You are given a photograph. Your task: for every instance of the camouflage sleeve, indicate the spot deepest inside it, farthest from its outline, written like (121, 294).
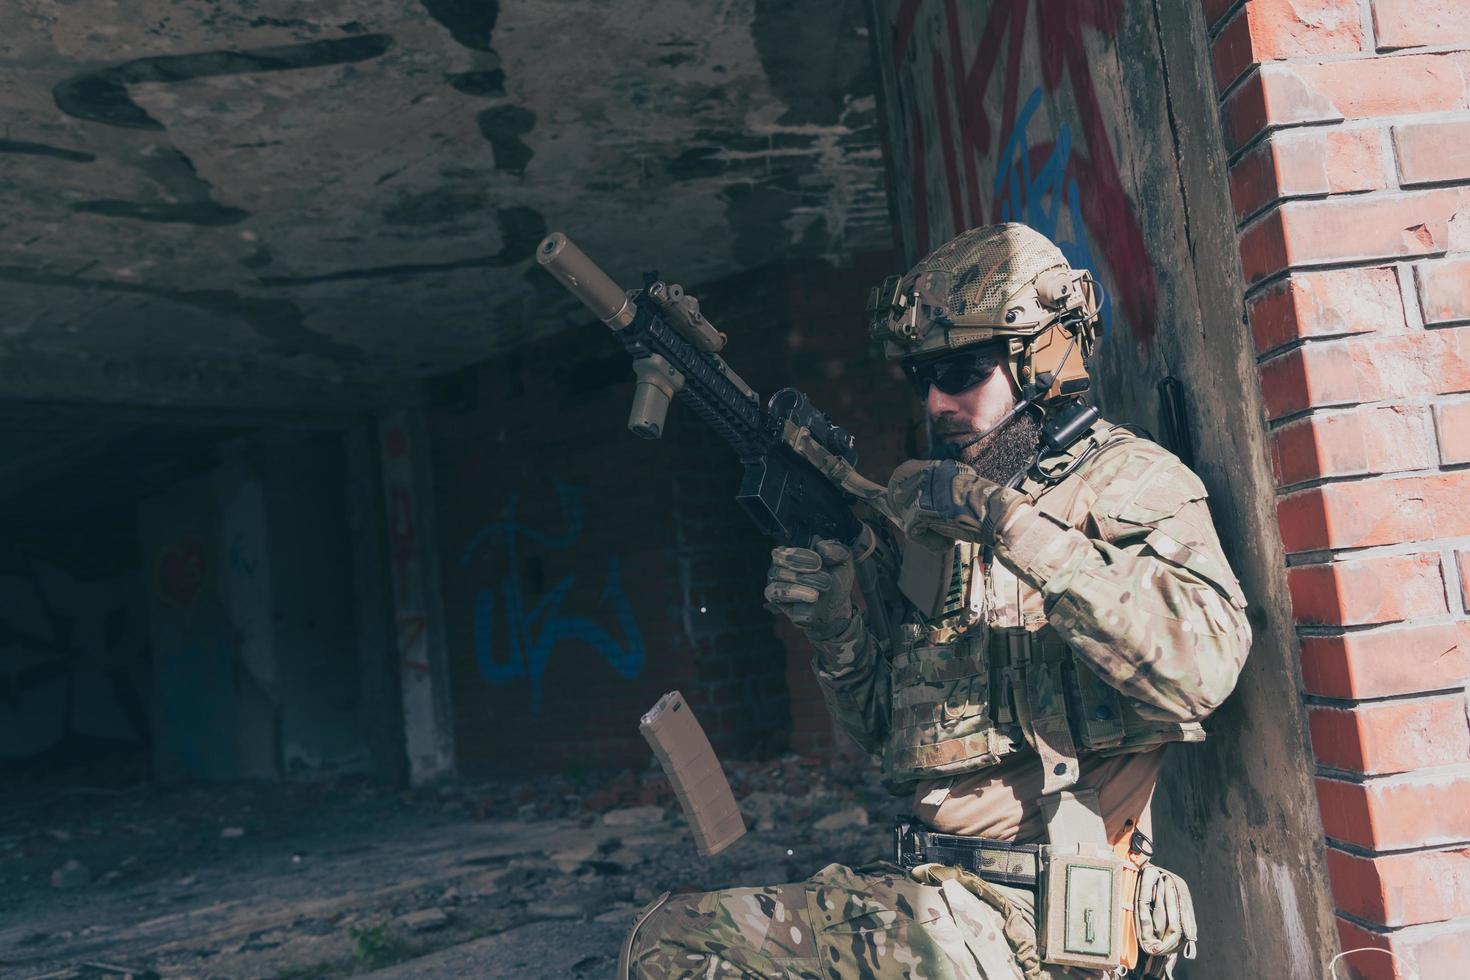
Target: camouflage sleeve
(1151, 603)
(853, 674)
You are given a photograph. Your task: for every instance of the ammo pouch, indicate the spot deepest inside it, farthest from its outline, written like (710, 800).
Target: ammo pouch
(1166, 924)
(1090, 906)
(1082, 901)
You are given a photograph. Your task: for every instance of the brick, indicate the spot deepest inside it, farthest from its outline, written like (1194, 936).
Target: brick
(1280, 94)
(1384, 663)
(1402, 889)
(1452, 432)
(1305, 164)
(1372, 440)
(1418, 23)
(1263, 247)
(1385, 737)
(1215, 10)
(1367, 590)
(1462, 568)
(1328, 303)
(1437, 949)
(1246, 112)
(1444, 290)
(1433, 152)
(1232, 52)
(1420, 809)
(1375, 512)
(1304, 233)
(1366, 369)
(1265, 30)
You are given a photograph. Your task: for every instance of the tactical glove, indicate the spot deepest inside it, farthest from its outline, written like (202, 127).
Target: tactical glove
(942, 498)
(813, 589)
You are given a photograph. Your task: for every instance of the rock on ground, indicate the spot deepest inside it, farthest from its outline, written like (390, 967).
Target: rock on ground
(537, 951)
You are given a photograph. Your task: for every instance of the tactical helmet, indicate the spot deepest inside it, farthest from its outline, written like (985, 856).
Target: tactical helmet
(1003, 282)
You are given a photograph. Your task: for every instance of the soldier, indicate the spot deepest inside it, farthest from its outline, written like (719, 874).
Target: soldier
(1061, 612)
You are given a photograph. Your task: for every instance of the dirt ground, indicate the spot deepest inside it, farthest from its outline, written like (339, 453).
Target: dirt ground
(532, 880)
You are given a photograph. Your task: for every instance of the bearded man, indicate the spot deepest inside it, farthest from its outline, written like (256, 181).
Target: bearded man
(1049, 609)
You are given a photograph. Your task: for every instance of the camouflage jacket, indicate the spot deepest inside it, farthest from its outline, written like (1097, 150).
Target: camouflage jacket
(1117, 566)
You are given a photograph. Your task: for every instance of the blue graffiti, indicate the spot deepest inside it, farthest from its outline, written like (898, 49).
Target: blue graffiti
(1038, 199)
(531, 634)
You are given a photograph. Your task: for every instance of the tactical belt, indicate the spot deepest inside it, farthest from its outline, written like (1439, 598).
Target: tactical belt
(992, 860)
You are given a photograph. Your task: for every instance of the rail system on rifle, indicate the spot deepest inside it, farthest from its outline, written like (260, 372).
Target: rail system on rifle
(792, 453)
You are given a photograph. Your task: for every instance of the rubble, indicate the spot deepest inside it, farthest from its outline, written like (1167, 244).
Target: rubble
(335, 879)
(424, 920)
(72, 874)
(636, 816)
(852, 816)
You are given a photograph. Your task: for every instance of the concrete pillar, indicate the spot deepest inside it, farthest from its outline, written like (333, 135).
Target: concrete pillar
(413, 557)
(211, 611)
(377, 647)
(252, 615)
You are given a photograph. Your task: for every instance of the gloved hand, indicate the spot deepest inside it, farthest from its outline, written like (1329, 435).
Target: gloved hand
(813, 589)
(942, 498)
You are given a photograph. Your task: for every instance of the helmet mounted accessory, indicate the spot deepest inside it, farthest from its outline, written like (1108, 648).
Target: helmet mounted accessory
(1004, 282)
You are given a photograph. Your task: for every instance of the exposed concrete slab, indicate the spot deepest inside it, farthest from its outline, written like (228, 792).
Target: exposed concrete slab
(350, 190)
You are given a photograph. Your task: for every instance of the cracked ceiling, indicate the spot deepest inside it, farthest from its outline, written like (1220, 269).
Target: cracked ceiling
(277, 202)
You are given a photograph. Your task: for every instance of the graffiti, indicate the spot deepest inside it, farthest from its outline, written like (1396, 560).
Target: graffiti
(241, 564)
(531, 634)
(1043, 197)
(403, 537)
(409, 526)
(403, 552)
(1069, 185)
(181, 571)
(73, 659)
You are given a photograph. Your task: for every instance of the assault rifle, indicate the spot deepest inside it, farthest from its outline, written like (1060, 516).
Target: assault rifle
(798, 483)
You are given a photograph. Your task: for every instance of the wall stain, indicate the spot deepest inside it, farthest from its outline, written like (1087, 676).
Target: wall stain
(102, 96)
(443, 204)
(206, 213)
(521, 230)
(813, 80)
(280, 323)
(481, 84)
(188, 197)
(258, 259)
(503, 127)
(25, 148)
(470, 22)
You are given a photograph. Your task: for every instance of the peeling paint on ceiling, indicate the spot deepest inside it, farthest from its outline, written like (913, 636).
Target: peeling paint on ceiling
(350, 190)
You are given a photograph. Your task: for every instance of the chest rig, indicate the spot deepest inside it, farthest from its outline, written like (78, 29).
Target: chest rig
(977, 674)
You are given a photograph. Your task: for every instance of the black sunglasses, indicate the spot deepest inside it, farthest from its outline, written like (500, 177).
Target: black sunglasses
(951, 374)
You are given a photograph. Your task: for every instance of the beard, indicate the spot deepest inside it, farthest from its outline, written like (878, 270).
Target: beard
(1001, 456)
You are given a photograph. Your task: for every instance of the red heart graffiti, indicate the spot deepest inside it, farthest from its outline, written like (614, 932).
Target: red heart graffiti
(181, 570)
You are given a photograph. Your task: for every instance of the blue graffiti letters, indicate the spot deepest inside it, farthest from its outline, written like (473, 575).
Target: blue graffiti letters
(531, 634)
(1043, 198)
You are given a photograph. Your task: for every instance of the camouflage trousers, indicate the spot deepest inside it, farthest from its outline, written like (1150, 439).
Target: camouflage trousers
(878, 922)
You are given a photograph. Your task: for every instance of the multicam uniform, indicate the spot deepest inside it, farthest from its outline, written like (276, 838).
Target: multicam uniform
(1087, 622)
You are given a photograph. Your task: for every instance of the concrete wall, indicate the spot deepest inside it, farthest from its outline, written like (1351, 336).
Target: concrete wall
(75, 671)
(1095, 123)
(587, 572)
(253, 615)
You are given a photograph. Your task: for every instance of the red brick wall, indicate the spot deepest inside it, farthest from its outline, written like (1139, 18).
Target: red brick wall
(550, 691)
(1347, 122)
